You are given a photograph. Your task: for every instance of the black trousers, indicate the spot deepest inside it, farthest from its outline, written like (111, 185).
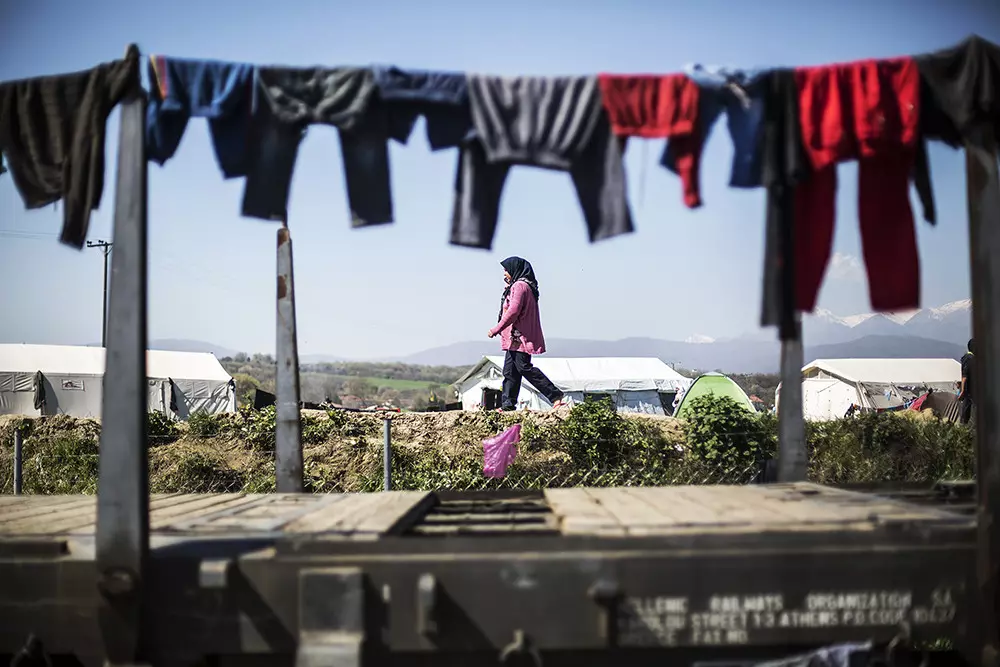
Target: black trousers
(967, 411)
(518, 366)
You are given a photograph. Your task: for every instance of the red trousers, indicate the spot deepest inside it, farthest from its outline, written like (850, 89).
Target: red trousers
(869, 111)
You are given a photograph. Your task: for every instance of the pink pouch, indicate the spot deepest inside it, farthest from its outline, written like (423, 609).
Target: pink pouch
(500, 450)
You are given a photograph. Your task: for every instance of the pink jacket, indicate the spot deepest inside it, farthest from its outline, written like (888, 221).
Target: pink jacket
(520, 328)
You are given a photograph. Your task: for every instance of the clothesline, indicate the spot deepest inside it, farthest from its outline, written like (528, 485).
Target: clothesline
(789, 128)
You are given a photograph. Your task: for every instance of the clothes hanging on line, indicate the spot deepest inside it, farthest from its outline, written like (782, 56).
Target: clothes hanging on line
(960, 90)
(292, 99)
(867, 111)
(784, 165)
(442, 98)
(52, 133)
(739, 94)
(555, 123)
(182, 88)
(656, 107)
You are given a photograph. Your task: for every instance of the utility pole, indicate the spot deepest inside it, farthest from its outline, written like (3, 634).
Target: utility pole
(105, 247)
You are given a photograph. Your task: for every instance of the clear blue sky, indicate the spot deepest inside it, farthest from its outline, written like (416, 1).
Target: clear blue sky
(401, 288)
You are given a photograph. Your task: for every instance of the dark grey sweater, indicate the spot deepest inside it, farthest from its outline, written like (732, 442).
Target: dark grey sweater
(52, 131)
(541, 121)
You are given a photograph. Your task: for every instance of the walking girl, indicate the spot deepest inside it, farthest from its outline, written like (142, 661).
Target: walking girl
(520, 329)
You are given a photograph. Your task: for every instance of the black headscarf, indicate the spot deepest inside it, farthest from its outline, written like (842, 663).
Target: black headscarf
(519, 269)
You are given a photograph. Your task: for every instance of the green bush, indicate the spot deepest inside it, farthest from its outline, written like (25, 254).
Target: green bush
(256, 427)
(893, 446)
(593, 434)
(160, 428)
(596, 435)
(66, 463)
(198, 471)
(316, 431)
(720, 430)
(204, 425)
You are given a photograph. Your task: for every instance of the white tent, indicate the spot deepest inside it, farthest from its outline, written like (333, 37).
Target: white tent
(831, 386)
(636, 384)
(39, 380)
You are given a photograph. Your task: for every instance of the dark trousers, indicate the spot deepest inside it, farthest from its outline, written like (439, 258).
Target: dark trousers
(967, 412)
(518, 366)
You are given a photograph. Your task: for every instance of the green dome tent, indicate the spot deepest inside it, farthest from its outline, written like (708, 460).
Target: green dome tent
(717, 384)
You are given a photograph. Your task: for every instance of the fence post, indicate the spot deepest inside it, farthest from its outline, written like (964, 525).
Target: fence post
(387, 455)
(18, 443)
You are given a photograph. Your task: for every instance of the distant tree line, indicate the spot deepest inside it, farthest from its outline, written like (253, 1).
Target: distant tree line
(355, 384)
(392, 371)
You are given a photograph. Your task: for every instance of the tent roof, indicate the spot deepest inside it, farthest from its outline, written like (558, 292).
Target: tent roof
(79, 360)
(894, 371)
(599, 374)
(718, 384)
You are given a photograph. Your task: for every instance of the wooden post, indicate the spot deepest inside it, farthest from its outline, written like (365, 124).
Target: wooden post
(984, 248)
(288, 427)
(122, 540)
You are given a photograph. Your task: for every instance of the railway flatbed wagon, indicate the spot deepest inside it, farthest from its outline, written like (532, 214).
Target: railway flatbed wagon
(719, 575)
(333, 579)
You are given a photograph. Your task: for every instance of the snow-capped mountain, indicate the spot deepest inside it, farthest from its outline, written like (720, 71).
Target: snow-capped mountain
(951, 322)
(699, 338)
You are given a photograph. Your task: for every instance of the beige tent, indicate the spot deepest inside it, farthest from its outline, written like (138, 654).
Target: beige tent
(40, 380)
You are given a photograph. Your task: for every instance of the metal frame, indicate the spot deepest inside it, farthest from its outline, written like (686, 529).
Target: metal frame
(341, 607)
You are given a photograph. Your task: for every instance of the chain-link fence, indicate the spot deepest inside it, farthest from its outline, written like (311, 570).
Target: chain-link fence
(48, 467)
(344, 453)
(78, 473)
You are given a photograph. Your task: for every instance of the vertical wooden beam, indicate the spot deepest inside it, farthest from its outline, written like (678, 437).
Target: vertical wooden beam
(122, 540)
(288, 428)
(984, 249)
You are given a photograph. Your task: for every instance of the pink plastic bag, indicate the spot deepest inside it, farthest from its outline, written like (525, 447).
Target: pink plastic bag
(500, 450)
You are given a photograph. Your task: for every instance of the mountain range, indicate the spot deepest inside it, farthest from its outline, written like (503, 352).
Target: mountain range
(929, 332)
(924, 333)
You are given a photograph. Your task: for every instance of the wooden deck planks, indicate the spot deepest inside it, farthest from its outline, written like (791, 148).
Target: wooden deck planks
(365, 515)
(578, 511)
(352, 515)
(693, 509)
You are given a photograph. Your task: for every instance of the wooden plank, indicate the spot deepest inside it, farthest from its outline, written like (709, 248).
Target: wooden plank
(579, 513)
(271, 514)
(75, 517)
(709, 509)
(365, 514)
(48, 518)
(163, 517)
(42, 506)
